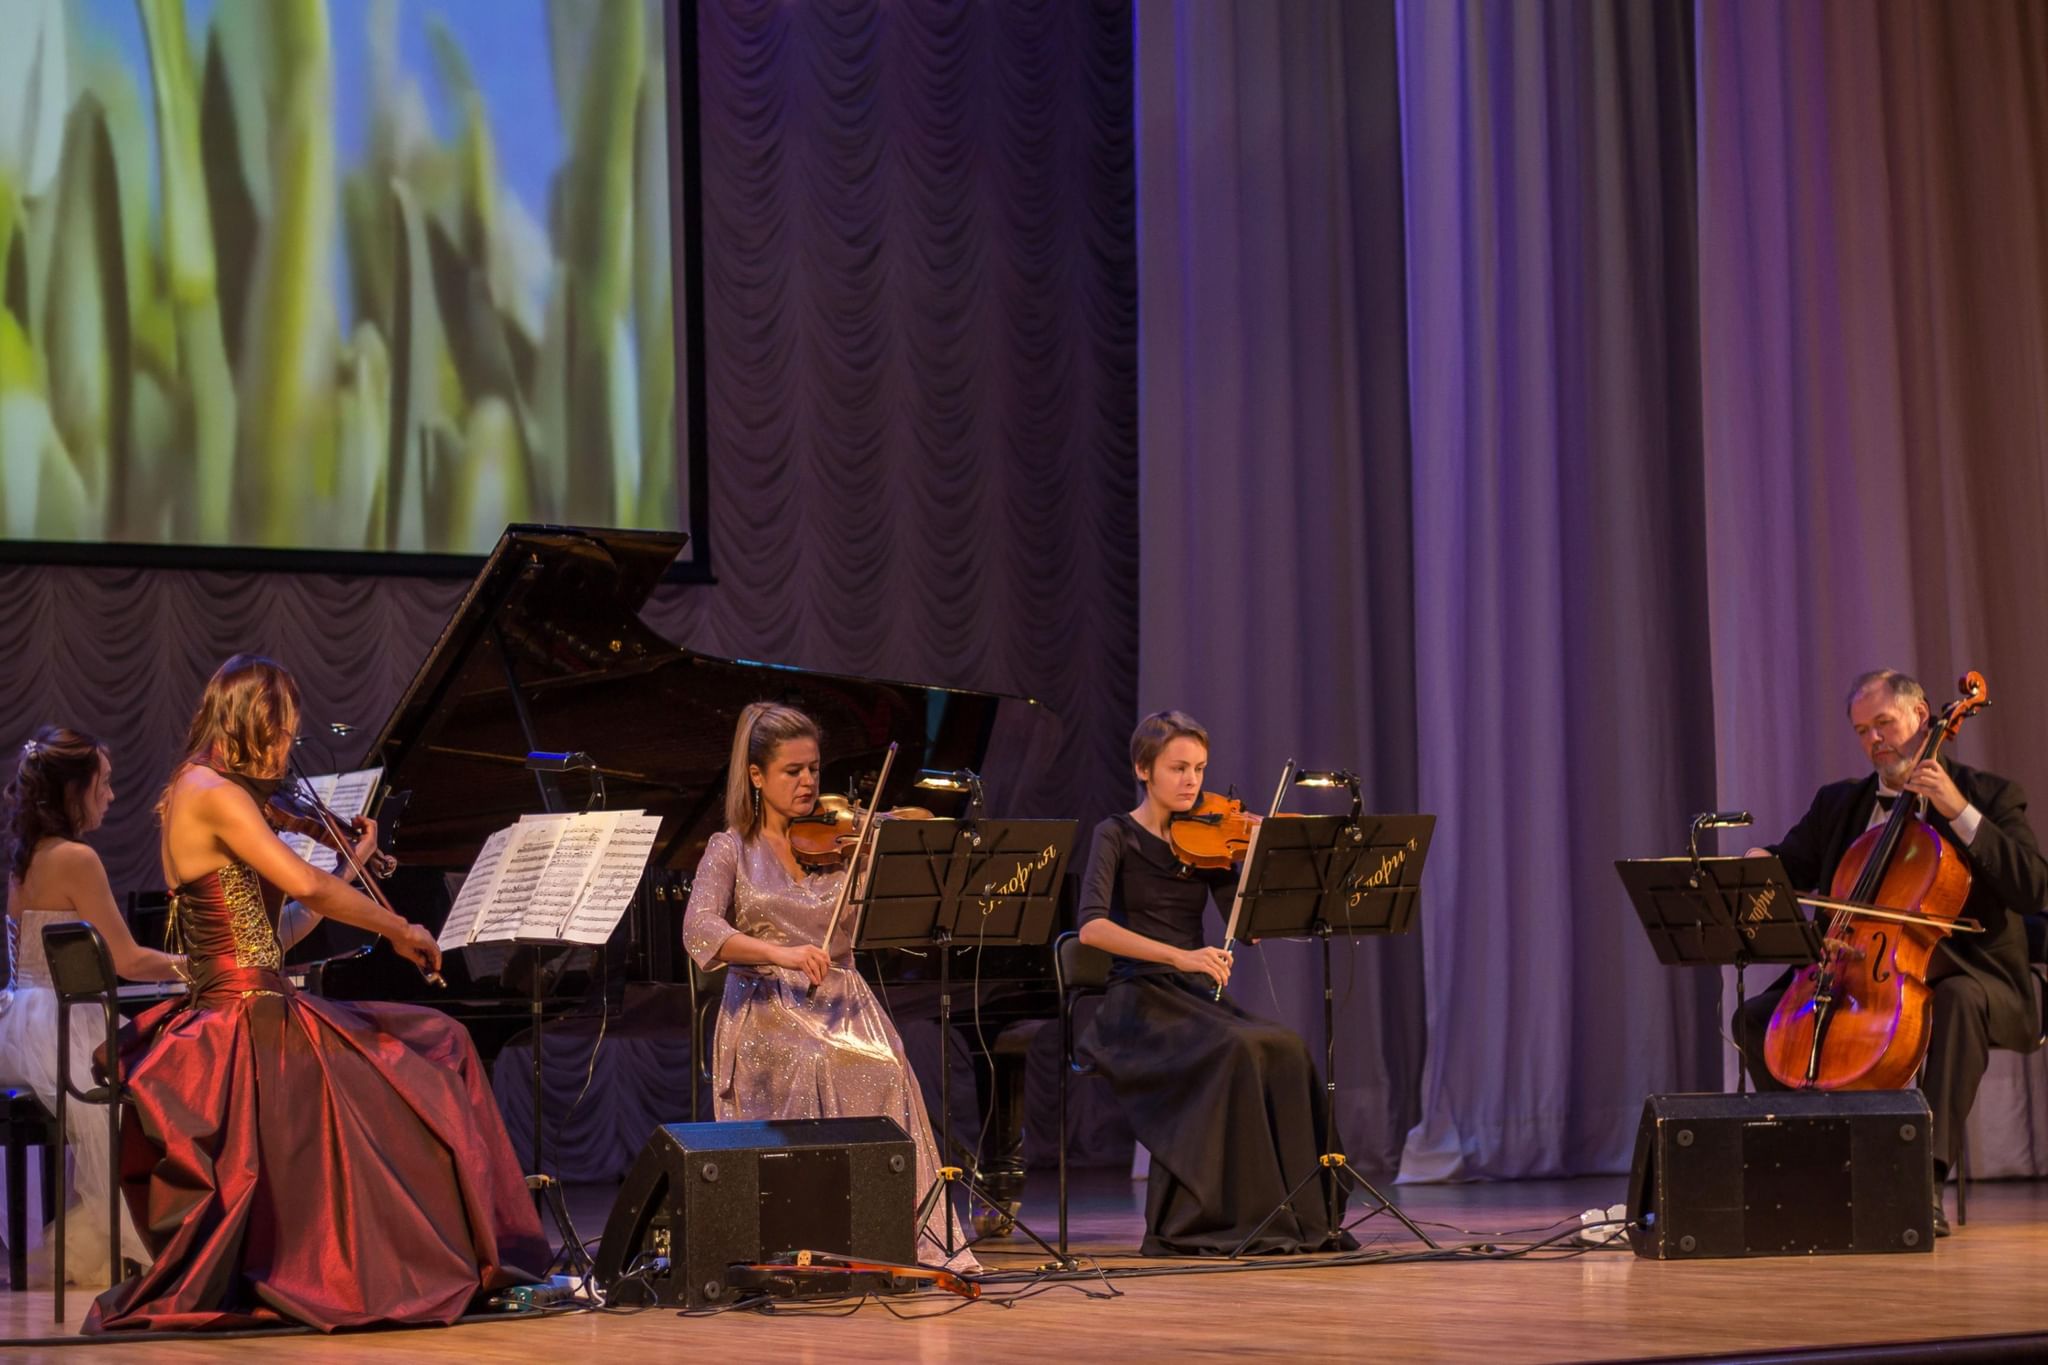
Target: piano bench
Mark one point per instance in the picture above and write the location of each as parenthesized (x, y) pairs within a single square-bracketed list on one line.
[(24, 1123)]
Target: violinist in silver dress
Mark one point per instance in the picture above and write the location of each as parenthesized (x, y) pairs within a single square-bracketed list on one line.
[(800, 1035)]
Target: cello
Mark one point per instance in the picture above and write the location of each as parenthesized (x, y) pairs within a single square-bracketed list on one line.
[(1858, 1019)]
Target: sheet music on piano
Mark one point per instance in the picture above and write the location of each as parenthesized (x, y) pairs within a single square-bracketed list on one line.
[(561, 878), (347, 795)]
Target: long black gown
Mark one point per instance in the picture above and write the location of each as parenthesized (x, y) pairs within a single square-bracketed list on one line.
[(1227, 1104)]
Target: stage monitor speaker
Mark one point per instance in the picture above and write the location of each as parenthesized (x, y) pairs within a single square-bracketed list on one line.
[(704, 1196), (1791, 1173)]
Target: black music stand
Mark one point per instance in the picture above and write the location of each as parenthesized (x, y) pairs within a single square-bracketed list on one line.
[(1721, 912), (935, 884), (1317, 876)]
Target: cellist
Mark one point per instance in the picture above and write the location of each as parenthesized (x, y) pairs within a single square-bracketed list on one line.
[(1983, 995)]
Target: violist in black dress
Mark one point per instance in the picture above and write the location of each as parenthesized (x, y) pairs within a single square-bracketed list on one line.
[(1228, 1105)]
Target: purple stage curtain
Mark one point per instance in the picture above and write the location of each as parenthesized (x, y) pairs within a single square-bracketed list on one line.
[(1274, 471), (1420, 475), (123, 653), (921, 324), (1560, 591), (1874, 284)]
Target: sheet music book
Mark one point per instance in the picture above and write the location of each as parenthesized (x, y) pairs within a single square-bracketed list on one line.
[(565, 878), (347, 795)]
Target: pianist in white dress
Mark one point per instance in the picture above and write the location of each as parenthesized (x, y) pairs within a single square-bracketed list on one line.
[(60, 792)]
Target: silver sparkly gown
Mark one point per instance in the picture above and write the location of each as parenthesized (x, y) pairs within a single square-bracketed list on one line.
[(781, 1053)]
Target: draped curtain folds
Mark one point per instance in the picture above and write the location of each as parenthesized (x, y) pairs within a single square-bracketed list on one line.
[(921, 349), (1874, 271), (1545, 409), (1559, 568), (1274, 479), (1692, 434)]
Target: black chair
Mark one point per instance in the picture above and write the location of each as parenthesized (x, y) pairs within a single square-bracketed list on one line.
[(2037, 959), (25, 1123), (82, 970), (1081, 971), (707, 989)]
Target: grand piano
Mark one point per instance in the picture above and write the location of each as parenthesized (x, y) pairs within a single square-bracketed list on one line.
[(548, 652)]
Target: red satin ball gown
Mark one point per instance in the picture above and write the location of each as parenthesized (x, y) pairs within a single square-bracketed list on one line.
[(296, 1159)]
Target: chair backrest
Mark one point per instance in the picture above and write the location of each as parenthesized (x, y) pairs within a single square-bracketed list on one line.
[(1080, 967), (81, 967), (82, 971), (707, 991)]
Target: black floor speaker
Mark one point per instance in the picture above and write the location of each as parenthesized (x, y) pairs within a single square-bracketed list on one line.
[(1791, 1173), (704, 1196)]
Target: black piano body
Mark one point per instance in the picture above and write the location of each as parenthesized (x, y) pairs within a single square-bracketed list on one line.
[(548, 651)]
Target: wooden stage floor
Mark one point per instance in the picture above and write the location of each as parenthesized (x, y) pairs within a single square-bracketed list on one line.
[(1987, 1281)]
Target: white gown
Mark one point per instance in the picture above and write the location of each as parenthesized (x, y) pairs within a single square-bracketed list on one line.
[(28, 1060)]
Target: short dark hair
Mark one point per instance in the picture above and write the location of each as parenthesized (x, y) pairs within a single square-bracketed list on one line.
[(1160, 729)]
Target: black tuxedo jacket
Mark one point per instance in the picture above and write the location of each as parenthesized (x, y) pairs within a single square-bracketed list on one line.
[(2008, 879)]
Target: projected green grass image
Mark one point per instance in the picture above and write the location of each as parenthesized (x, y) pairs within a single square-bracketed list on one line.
[(359, 275)]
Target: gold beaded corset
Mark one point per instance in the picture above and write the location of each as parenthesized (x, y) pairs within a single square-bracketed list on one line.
[(222, 920)]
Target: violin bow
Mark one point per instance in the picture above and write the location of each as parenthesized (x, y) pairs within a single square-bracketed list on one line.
[(860, 844), (344, 849), (1237, 903)]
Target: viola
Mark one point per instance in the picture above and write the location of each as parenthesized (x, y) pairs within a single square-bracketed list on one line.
[(1858, 1019), (1213, 833), (802, 1265), (823, 839), (863, 827)]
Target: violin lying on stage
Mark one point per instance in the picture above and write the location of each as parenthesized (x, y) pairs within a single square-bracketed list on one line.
[(827, 1274)]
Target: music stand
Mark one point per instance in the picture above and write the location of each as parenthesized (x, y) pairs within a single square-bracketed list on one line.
[(932, 884), (1317, 876), (1721, 912)]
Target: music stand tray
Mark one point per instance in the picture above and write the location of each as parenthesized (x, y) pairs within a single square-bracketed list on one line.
[(1721, 912), (937, 884), (1319, 876)]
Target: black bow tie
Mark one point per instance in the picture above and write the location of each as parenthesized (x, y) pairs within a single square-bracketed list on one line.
[(1885, 803)]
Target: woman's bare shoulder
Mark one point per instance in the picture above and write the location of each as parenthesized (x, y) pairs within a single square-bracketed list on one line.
[(67, 858)]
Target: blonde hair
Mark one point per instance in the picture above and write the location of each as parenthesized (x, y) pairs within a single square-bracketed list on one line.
[(763, 726), (1160, 729)]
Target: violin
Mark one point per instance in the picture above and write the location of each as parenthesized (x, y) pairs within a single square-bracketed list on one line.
[(1214, 833), (822, 840), (800, 1266), (1858, 1019), (294, 808)]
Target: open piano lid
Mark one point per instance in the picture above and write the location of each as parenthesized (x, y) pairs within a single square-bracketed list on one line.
[(558, 609)]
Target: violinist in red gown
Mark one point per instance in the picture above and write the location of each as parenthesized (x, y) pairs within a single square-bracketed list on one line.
[(289, 1158), (1983, 994)]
